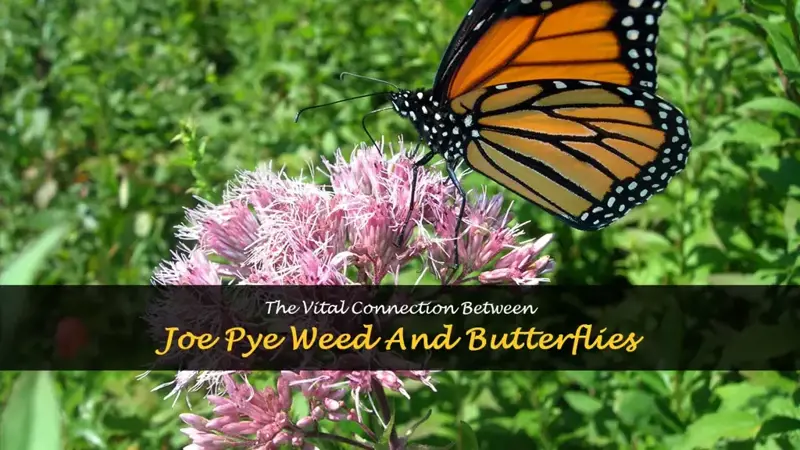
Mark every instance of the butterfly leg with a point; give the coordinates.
(415, 171)
(452, 175)
(364, 126)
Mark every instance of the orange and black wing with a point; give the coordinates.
(506, 41)
(587, 152)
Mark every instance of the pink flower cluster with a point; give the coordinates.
(271, 229)
(261, 419)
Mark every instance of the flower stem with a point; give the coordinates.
(386, 413)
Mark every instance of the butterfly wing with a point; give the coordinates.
(505, 41)
(585, 151)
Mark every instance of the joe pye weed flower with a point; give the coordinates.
(270, 229)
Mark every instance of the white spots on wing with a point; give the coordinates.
(584, 216)
(437, 116)
(667, 151)
(424, 110)
(632, 186)
(649, 19)
(590, 83)
(547, 4)
(633, 35)
(649, 66)
(501, 87)
(638, 103)
(633, 53)
(681, 131)
(475, 133)
(611, 202)
(636, 66)
(625, 91)
(479, 25)
(455, 130)
(648, 52)
(468, 120)
(648, 95)
(413, 116)
(619, 189)
(627, 21)
(656, 4)
(635, 3)
(650, 38)
(679, 119)
(560, 85)
(662, 114)
(665, 106)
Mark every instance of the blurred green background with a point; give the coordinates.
(91, 185)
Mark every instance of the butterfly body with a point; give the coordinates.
(445, 131)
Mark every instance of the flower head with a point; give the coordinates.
(270, 229)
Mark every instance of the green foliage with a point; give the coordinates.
(94, 92)
(31, 418)
(471, 410)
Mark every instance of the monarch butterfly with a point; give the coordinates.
(555, 100)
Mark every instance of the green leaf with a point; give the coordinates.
(416, 425)
(635, 406)
(790, 217)
(778, 425)
(466, 437)
(583, 403)
(637, 239)
(24, 268)
(32, 417)
(751, 132)
(709, 429)
(779, 38)
(387, 433)
(771, 104)
(733, 279)
(22, 271)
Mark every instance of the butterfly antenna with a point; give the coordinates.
(297, 117)
(363, 77)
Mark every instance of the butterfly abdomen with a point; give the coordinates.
(442, 129)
